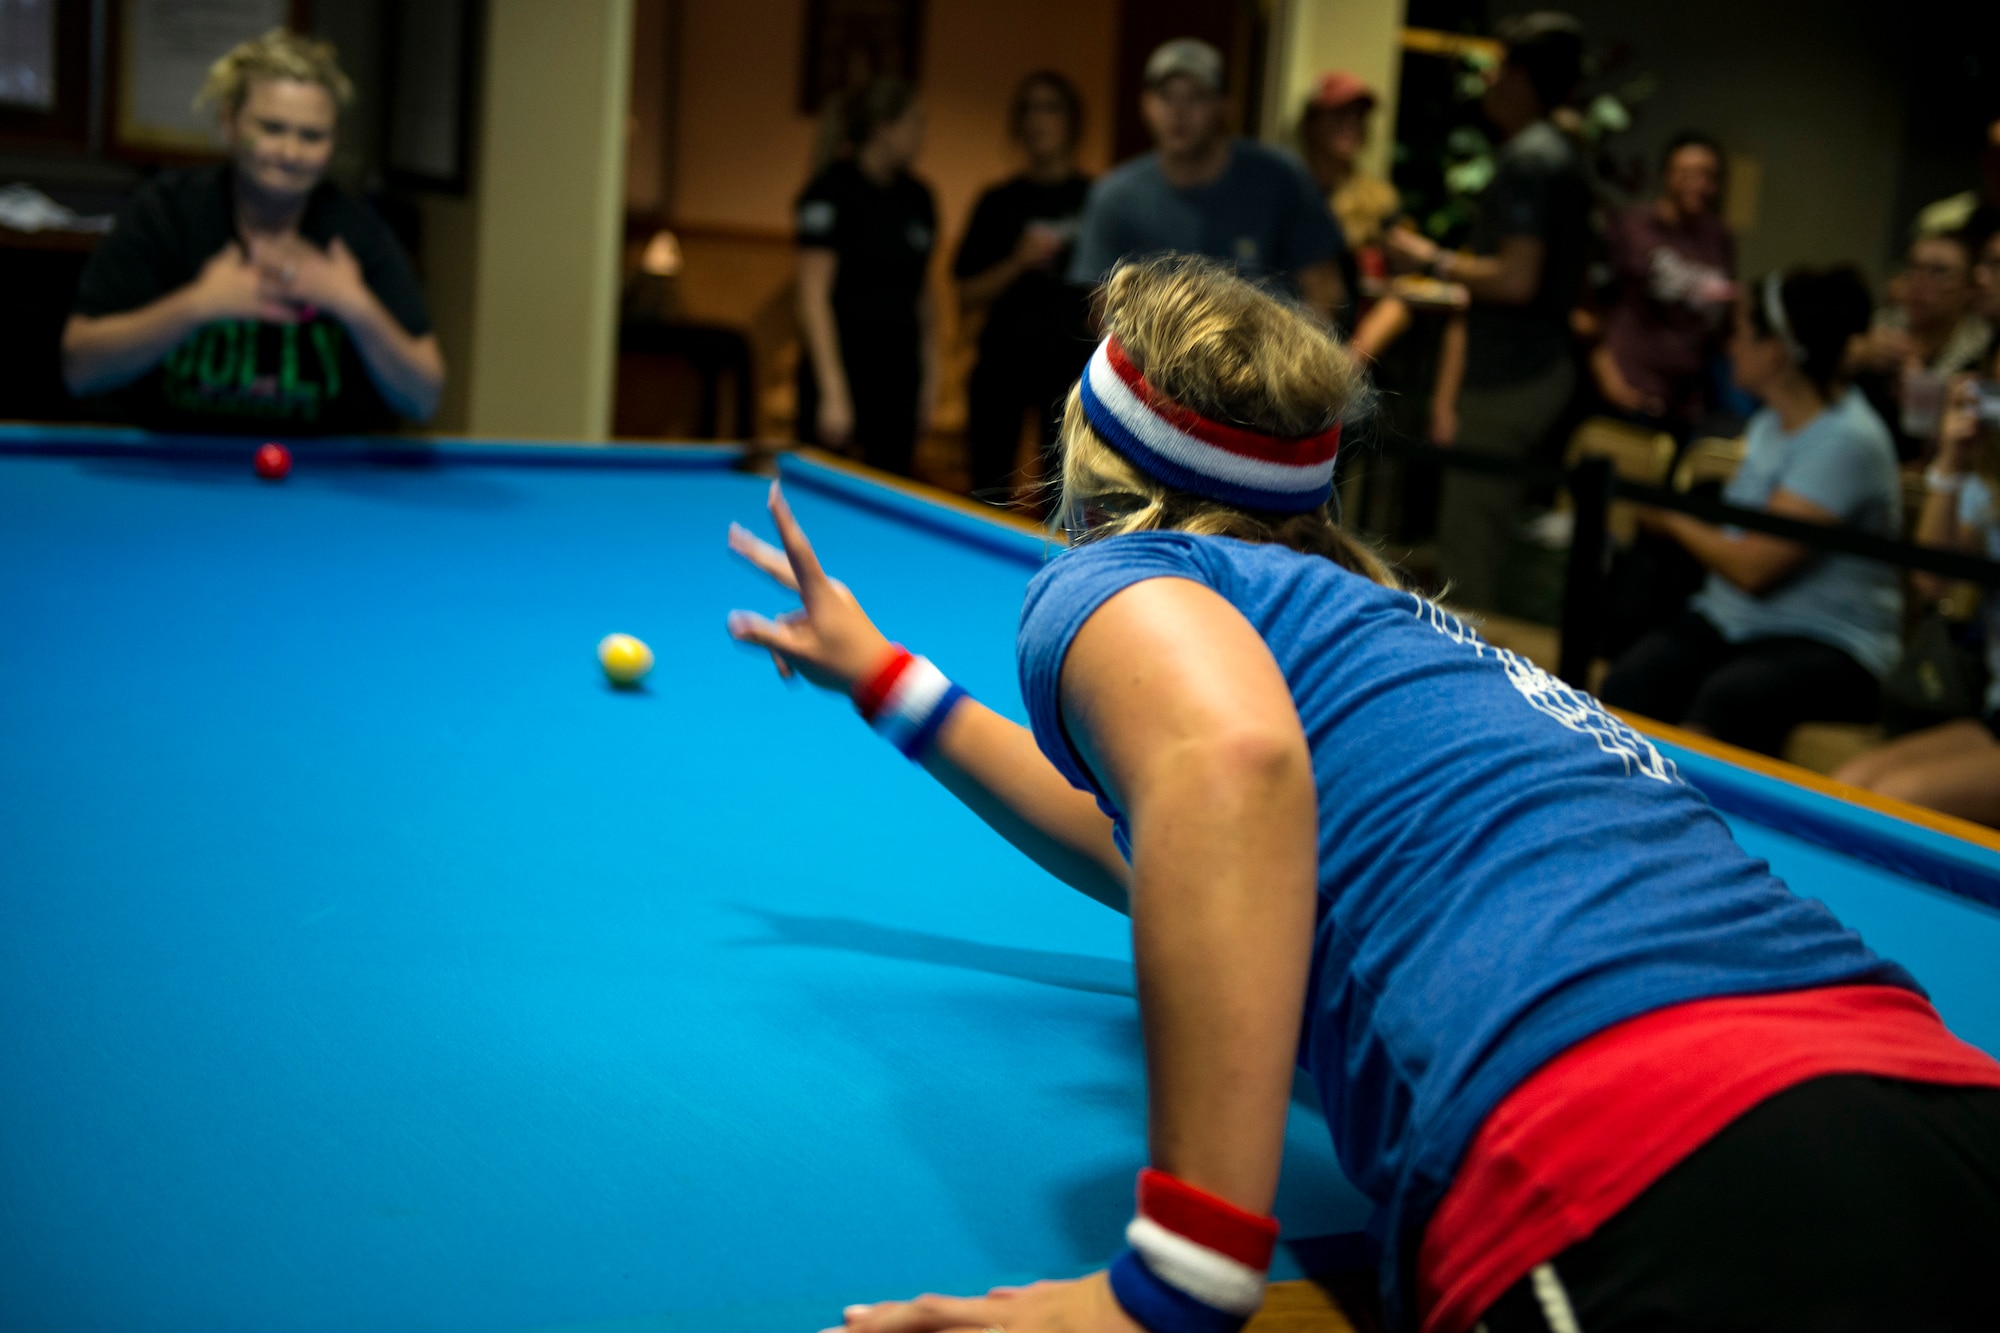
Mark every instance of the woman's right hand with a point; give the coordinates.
(829, 640)
(835, 423)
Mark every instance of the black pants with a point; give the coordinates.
(1749, 694)
(1845, 1203)
(997, 394)
(882, 382)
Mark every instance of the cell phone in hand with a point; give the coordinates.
(1986, 403)
(1059, 231)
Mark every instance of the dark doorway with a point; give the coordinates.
(1237, 28)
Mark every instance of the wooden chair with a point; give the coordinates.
(1709, 459)
(1635, 454)
(1825, 746)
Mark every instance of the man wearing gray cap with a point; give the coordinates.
(1203, 192)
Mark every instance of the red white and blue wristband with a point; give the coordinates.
(907, 700)
(1196, 1262)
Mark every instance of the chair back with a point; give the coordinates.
(1708, 459)
(1635, 453)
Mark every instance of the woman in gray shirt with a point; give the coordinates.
(1781, 634)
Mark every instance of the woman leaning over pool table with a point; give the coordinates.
(1592, 1063)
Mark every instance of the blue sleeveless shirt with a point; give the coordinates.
(1504, 868)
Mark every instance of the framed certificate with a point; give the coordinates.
(432, 53)
(161, 51)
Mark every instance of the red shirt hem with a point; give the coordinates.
(1589, 1131)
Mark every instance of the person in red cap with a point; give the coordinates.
(1332, 134)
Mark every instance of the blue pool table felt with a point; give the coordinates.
(366, 961)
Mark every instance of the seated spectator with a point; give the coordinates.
(1977, 210)
(1956, 767)
(1016, 250)
(868, 369)
(1779, 634)
(1511, 369)
(1203, 192)
(1673, 261)
(257, 295)
(1928, 333)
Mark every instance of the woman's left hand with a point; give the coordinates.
(829, 640)
(1083, 1306)
(317, 279)
(1406, 248)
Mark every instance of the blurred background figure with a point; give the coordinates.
(1673, 261)
(1203, 191)
(1011, 265)
(256, 295)
(1332, 133)
(868, 370)
(1928, 332)
(1529, 245)
(1955, 766)
(1780, 635)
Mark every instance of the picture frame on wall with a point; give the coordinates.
(161, 51)
(432, 62)
(44, 73)
(849, 42)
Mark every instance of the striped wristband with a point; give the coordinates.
(907, 700)
(1196, 1262)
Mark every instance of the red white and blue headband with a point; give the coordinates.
(1190, 452)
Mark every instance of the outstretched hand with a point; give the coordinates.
(1083, 1306)
(829, 640)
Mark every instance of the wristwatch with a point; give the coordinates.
(1939, 482)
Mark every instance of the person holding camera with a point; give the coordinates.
(1955, 767)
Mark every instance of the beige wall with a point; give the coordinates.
(524, 272)
(1310, 37)
(743, 147)
(451, 232)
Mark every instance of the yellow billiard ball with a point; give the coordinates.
(625, 659)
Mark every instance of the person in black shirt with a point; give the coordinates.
(1530, 243)
(256, 296)
(1012, 261)
(866, 228)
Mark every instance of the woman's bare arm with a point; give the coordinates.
(1179, 708)
(1444, 388)
(1754, 561)
(994, 767)
(988, 762)
(817, 269)
(101, 352)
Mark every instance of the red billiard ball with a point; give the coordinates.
(273, 461)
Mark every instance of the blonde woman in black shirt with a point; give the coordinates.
(257, 295)
(868, 319)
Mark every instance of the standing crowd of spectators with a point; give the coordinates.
(257, 295)
(1847, 395)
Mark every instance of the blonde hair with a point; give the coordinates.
(278, 54)
(1231, 351)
